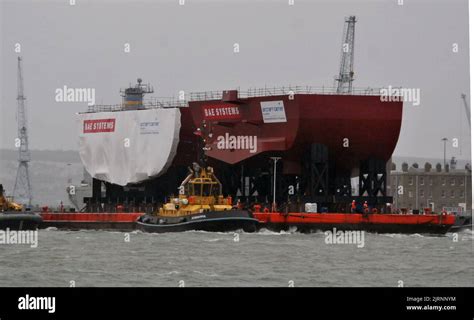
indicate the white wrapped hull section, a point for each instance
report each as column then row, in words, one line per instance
column 128, row 146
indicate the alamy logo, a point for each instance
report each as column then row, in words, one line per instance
column 30, row 237
column 412, row 95
column 37, row 303
column 345, row 237
column 229, row 142
column 66, row 94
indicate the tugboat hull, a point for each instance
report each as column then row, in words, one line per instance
column 19, row 221
column 212, row 221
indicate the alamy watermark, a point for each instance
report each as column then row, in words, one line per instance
column 37, row 303
column 335, row 236
column 30, row 237
column 229, row 142
column 66, row 94
column 390, row 94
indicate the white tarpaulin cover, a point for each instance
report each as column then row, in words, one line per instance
column 128, row 146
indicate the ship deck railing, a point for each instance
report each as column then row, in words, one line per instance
column 172, row 102
column 282, row 91
column 155, row 103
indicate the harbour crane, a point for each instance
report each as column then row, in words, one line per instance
column 346, row 68
column 22, row 189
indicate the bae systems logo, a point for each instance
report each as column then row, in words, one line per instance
column 99, row 125
column 221, row 112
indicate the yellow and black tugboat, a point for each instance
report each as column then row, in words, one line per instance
column 199, row 206
column 14, row 217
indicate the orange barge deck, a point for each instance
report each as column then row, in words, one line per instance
column 97, row 221
column 380, row 223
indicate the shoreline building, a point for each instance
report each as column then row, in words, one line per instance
column 416, row 188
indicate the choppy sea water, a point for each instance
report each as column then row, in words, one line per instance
column 102, row 258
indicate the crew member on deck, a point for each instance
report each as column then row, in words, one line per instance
column 366, row 207
column 353, row 206
column 239, row 204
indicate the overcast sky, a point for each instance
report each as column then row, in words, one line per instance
column 190, row 48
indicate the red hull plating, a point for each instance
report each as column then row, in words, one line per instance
column 371, row 126
column 74, row 221
column 395, row 223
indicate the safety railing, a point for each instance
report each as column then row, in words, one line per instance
column 242, row 94
column 280, row 91
column 154, row 103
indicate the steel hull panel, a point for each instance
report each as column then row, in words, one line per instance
column 371, row 126
column 94, row 221
column 75, row 225
column 385, row 228
column 213, row 221
column 384, row 223
column 19, row 221
column 228, row 225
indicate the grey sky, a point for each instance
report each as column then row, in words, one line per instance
column 190, row 48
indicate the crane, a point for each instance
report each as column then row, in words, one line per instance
column 466, row 107
column 22, row 189
column 346, row 68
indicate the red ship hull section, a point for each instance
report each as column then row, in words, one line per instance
column 371, row 126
